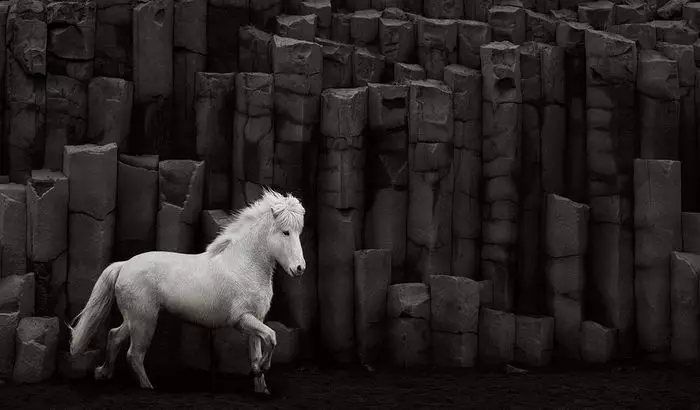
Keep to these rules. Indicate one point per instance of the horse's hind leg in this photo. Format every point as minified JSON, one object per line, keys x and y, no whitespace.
{"x":115,"y":339}
{"x":256,"y":364}
{"x":141,"y":329}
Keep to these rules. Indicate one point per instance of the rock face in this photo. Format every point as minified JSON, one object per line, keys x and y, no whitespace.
{"x":253,"y":138}
{"x":47,"y":239}
{"x":341,"y":207}
{"x":685,"y":307}
{"x":297,"y":70}
{"x":408,"y":333}
{"x":454,"y":320}
{"x":137,"y":205}
{"x":690,"y":225}
{"x":180,"y":188}
{"x":215,"y":100}
{"x":430,"y":180}
{"x":566,"y":244}
{"x":66,"y":117}
{"x":153,"y":77}
{"x":436,"y":45}
{"x":25,"y":86}
{"x":502,"y":100}
{"x":13,"y":229}
{"x":372,"y":278}
{"x":611,"y":72}
{"x":657,"y":220}
{"x":109,"y":117}
{"x":534,"y":340}
{"x":113,"y":39}
{"x":466,"y":204}
{"x":8,"y":331}
{"x":598,"y":343}
{"x":497,"y":336}
{"x":387,"y":161}
{"x":79,"y":367}
{"x":36,"y":345}
{"x":224,"y":19}
{"x":17,"y":294}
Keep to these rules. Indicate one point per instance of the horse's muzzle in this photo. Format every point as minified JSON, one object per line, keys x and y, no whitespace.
{"x":298,"y":271}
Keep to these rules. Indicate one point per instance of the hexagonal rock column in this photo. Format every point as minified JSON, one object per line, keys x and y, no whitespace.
{"x":408,"y":335}
{"x":571,"y":37}
{"x":340,"y":214}
{"x":439,"y":9}
{"x":13,"y":229}
{"x":690,"y":225}
{"x":534,"y":340}
{"x":153,"y":78}
{"x":109,"y":117}
{"x":466,"y":205}
{"x":598,"y":343}
{"x":502,"y":101}
{"x":611,"y":72}
{"x":364,"y":28}
{"x":367,"y":67}
{"x":37,"y":342}
{"x":387,"y":161}
{"x":8,"y":331}
{"x":254,"y":50}
{"x":253,"y":138}
{"x":4,"y":11}
{"x":92,"y":180}
{"x":25,"y":85}
{"x":471,"y":35}
{"x":454,"y":320}
{"x":436,"y":43}
{"x":372,"y":278}
{"x":189,"y":58}
{"x":323,"y":11}
{"x":599,"y":14}
{"x":214,"y":108}
{"x":298,"y":27}
{"x":337,"y":64}
{"x":396,"y":42}
{"x":689,"y":149}
{"x":224,"y":19}
{"x":685,"y":307}
{"x":47,"y":240}
{"x":566,"y":243}
{"x":66,"y":117}
{"x":497,"y":336}
{"x":659,"y":108}
{"x":404,"y":73}
{"x":113,"y":39}
{"x":542,"y":172}
{"x":508,"y":23}
{"x":17,"y":294}
{"x":137,"y":205}
{"x":297,"y":67}
{"x":657,"y":223}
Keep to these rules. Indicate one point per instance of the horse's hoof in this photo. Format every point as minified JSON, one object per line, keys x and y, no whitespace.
{"x":100,"y":373}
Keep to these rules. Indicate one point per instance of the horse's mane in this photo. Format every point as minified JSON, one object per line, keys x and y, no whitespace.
{"x":287,"y":208}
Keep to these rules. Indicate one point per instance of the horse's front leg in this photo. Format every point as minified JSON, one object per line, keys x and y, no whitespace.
{"x":266,"y":337}
{"x":256,"y":364}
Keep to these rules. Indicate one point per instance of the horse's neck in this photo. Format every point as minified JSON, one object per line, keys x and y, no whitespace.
{"x":253,"y":246}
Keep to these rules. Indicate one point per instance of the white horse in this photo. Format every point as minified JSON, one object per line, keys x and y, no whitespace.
{"x":230,"y":284}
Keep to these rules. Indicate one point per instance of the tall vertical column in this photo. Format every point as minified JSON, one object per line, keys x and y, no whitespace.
{"x":340,"y":212}
{"x":685,"y":304}
{"x":297,"y":67}
{"x":113,"y":39}
{"x":110,"y":101}
{"x":214,"y":108}
{"x":430,"y":180}
{"x":224,"y":19}
{"x":13,"y":229}
{"x":611,"y":71}
{"x":189,"y":58}
{"x":466,"y":206}
{"x":4,"y":11}
{"x":25,"y":87}
{"x":137,"y":205}
{"x":502,"y":100}
{"x":153,"y":77}
{"x":92,"y":179}
{"x":386,"y":191}
{"x":254,"y":50}
{"x":253,"y":138}
{"x":657,"y":223}
{"x":436,"y":43}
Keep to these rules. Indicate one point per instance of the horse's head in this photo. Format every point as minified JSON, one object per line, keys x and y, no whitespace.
{"x":285,"y":243}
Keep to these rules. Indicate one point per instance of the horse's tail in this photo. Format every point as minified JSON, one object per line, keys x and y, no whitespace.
{"x":96,"y":309}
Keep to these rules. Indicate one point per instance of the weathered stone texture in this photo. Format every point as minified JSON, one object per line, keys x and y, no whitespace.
{"x":430,"y":180}
{"x":8,"y":331}
{"x":690,"y":225}
{"x":254,"y":52}
{"x":13,"y":229}
{"x":47,"y":239}
{"x":341,"y":206}
{"x":322,"y":9}
{"x":508,"y":23}
{"x":66,"y":117}
{"x":599,"y":14}
{"x":17,"y":294}
{"x":25,"y":87}
{"x":598,"y":343}
{"x":454,"y":310}
{"x":566,"y":244}
{"x":404,"y":73}
{"x":92,"y":179}
{"x":337,"y":64}
{"x":36,"y":346}
{"x":657,"y":222}
{"x":297,"y":27}
{"x":214,"y":107}
{"x":372,"y":278}
{"x":436,"y":43}
{"x":180,"y":186}
{"x":367,"y":67}
{"x":71,"y":38}
{"x":501,"y":127}
{"x":534,"y":340}
{"x":113,"y":39}
{"x":643,"y":33}
{"x":153,"y":77}
{"x":611,"y":72}
{"x":387,"y":161}
{"x":137,"y":205}
{"x":685,"y":307}
{"x":410,"y":300}
{"x":109,"y":116}
{"x":497,"y":336}
{"x":471,"y":35}
{"x":253,"y":138}
{"x":224,"y":19}
{"x":396,"y":41}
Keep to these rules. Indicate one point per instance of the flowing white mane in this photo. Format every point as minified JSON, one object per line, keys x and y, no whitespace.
{"x":287,"y":208}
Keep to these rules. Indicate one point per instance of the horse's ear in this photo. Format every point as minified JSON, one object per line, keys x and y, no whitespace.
{"x":274,"y":214}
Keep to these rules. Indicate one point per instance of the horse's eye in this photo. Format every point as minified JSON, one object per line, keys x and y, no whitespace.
{"x":286,"y":233}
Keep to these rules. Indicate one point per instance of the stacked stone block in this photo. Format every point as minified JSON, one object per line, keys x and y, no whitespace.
{"x":408,"y":333}
{"x":454,"y":320}
{"x":372,"y":279}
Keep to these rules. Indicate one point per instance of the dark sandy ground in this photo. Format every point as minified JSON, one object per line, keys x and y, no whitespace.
{"x":623,"y":386}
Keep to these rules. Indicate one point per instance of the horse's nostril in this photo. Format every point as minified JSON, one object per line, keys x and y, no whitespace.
{"x":299,"y":269}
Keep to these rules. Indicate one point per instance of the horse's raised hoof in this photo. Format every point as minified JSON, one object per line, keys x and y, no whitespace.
{"x":261,"y":386}
{"x":101,"y":373}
